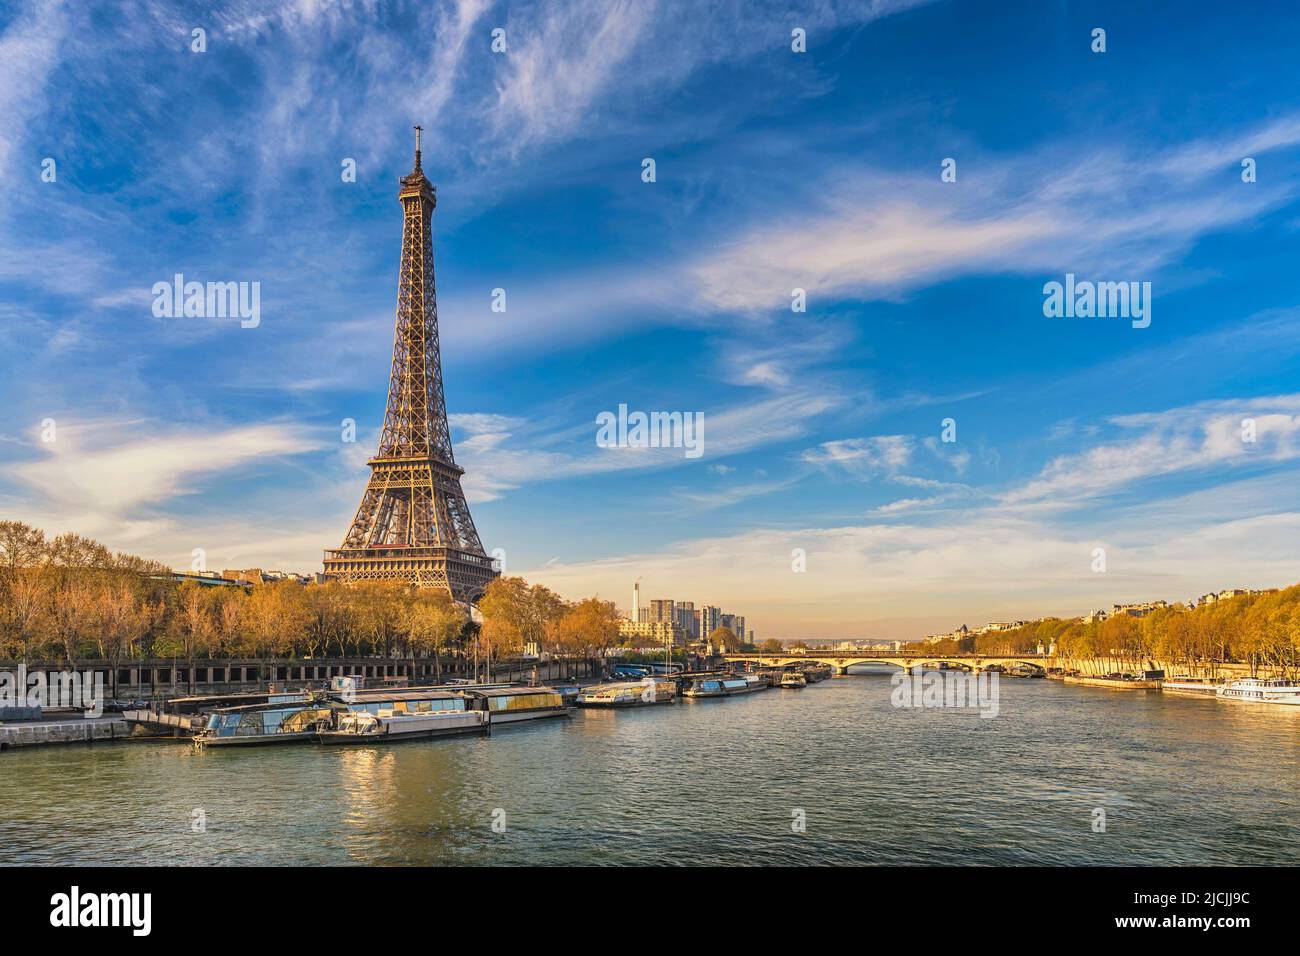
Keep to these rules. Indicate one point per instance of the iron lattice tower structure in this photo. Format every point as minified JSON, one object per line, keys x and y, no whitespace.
{"x":413,"y":525}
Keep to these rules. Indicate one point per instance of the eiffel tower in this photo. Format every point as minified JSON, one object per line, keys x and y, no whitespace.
{"x":413,"y":525}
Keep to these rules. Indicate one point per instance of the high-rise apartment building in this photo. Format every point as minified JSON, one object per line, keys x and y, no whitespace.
{"x":661,"y":612}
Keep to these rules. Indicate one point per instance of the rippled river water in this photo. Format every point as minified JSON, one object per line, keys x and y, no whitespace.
{"x":1182,"y":781}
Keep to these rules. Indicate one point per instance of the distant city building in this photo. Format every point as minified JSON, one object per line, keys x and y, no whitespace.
{"x":1224,"y":595}
{"x":661,"y":612}
{"x":956,"y":635}
{"x":259,"y":576}
{"x":710,"y":619}
{"x":684,"y":617}
{"x":654,"y":633}
{"x":862,"y":645}
{"x":635,"y":614}
{"x":1138,"y":610}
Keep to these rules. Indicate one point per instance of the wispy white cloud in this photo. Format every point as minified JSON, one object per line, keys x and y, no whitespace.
{"x":28,"y":55}
{"x":1191,"y":439}
{"x":502,"y":453}
{"x":103,"y":473}
{"x":880,"y":453}
{"x":868,"y":233}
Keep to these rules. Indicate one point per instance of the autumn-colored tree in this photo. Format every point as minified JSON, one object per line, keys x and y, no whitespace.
{"x":432,"y":621}
{"x":332,"y":618}
{"x":123,"y":615}
{"x":228,"y":611}
{"x":378,"y":606}
{"x":508,"y":618}
{"x":726,"y":639}
{"x":274,"y":619}
{"x":26,"y":596}
{"x":585,"y":630}
{"x":73,"y":615}
{"x":195,"y":622}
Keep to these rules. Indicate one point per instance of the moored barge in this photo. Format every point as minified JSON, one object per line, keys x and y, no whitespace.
{"x":629,"y":694}
{"x":507,"y":705}
{"x":388,"y":726}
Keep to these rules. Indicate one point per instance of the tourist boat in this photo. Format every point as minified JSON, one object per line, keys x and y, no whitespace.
{"x":705,"y":687}
{"x":1193,"y":686}
{"x":794,"y":680}
{"x":744,"y":684}
{"x":1251,"y":690}
{"x":507,"y":705}
{"x":302,"y":719}
{"x":629,"y":694}
{"x":361,"y":727}
{"x":254,"y":724}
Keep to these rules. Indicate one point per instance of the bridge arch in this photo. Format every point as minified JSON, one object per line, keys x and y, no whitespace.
{"x":842,"y":661}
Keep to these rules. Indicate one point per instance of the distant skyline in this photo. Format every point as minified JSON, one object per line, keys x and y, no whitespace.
{"x":823,"y":430}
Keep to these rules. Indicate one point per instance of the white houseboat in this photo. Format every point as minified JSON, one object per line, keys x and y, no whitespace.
{"x":389,"y":726}
{"x":1251,"y":690}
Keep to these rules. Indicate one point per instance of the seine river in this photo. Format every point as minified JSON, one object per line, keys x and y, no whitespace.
{"x":1181,"y":781}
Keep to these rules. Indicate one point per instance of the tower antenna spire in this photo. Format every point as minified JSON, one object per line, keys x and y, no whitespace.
{"x":418,"y":130}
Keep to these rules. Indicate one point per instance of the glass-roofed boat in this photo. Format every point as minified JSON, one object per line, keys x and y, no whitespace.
{"x":438,"y":714}
{"x":511,"y":704}
{"x":629,"y":693}
{"x":271,"y":723}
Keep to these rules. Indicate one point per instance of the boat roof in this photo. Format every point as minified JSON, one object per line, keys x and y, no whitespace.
{"x":255,"y":696}
{"x":511,"y":691}
{"x":621,"y":685}
{"x":373,"y":696}
{"x":278,"y":705}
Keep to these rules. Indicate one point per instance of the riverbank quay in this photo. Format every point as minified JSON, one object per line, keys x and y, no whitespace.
{"x":161,"y":679}
{"x":182,"y":716}
{"x":63,"y":730}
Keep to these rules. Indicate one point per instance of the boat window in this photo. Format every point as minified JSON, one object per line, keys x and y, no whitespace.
{"x":302,"y":720}
{"x":525,"y":701}
{"x":250,"y":724}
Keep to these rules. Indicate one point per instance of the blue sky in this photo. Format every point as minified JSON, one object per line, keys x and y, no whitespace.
{"x":774,"y":170}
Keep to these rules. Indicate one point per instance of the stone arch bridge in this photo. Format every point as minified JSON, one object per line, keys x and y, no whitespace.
{"x":843,"y":660}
